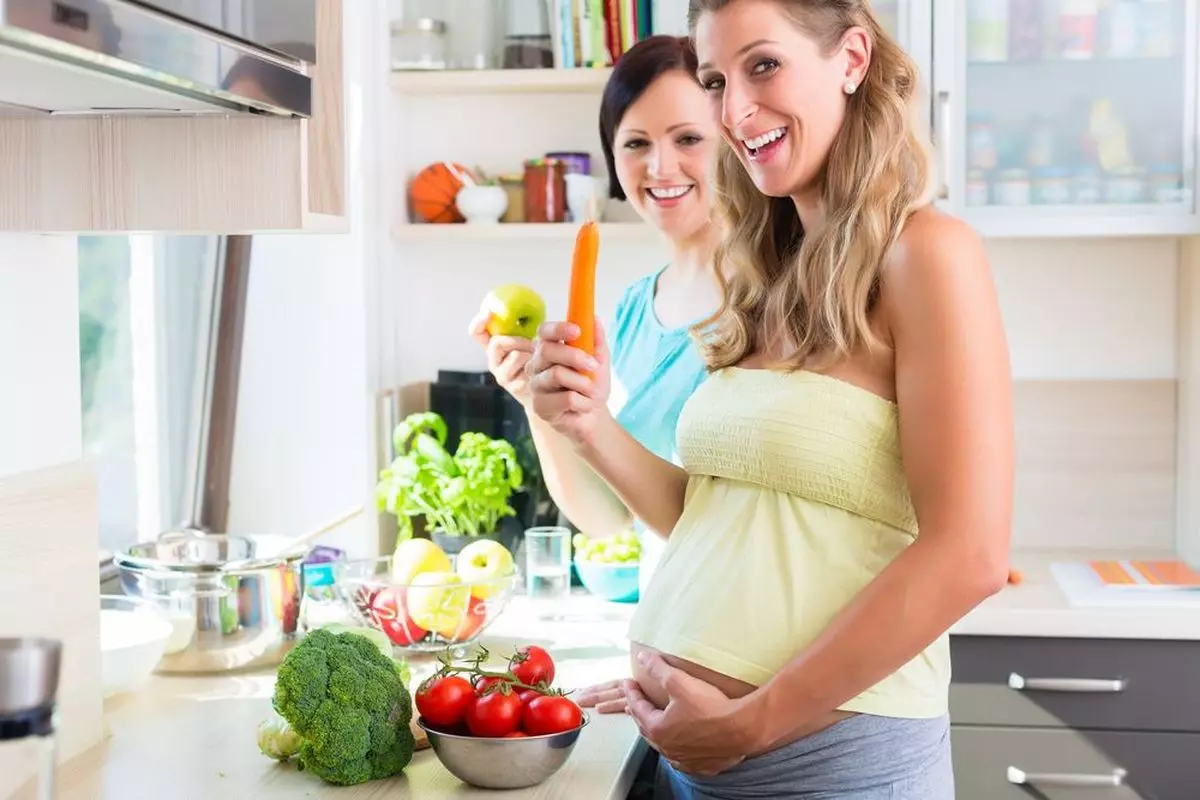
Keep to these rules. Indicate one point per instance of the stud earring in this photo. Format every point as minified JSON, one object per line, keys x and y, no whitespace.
{"x":849,"y":87}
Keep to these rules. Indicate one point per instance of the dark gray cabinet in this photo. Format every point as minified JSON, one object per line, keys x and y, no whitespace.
{"x":1114,"y":719}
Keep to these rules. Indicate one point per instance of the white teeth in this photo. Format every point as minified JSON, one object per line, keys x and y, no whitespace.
{"x":668,"y":192}
{"x":762,"y":140}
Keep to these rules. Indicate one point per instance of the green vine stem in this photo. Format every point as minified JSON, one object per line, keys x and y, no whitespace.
{"x":507,"y":681}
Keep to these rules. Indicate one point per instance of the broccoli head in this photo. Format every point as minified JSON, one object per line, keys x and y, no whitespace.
{"x":348,"y":702}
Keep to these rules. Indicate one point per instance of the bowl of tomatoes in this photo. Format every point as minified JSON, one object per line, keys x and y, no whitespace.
{"x":434,"y":612}
{"x":506,"y":728}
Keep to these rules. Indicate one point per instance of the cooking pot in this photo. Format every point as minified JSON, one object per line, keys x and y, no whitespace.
{"x":231,"y":609}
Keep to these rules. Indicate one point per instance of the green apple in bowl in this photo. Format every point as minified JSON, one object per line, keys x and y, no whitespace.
{"x":415,"y":556}
{"x":485,"y":563}
{"x":438,"y":601}
{"x":515,"y":311}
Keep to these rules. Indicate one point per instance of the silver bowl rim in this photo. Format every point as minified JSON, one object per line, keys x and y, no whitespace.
{"x":128,"y":560}
{"x":527,"y":738}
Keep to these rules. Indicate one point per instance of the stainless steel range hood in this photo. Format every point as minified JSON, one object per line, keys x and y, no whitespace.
{"x":96,"y":57}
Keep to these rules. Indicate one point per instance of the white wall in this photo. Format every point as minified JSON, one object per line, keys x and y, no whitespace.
{"x":302,"y":448}
{"x":40,"y":419}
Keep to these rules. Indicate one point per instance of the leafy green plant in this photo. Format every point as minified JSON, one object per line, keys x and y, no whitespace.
{"x":464,"y":494}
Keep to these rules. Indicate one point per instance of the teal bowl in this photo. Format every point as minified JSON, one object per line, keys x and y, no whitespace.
{"x":617,"y":583}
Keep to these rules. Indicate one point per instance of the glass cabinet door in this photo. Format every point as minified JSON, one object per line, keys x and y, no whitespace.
{"x":1070,"y":117}
{"x":911,"y":23}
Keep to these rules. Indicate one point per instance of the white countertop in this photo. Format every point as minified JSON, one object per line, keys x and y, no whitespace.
{"x":1038,"y":607}
{"x":194,"y":737}
{"x":198,"y":732}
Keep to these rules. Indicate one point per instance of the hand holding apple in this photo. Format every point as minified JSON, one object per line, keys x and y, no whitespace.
{"x":505,"y":325}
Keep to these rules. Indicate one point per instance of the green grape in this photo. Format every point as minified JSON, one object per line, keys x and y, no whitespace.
{"x":579,"y":541}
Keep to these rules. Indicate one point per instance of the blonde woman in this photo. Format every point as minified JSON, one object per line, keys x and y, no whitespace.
{"x":846,"y":487}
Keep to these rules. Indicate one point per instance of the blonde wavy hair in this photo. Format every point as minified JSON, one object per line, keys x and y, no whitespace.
{"x":816,"y":292}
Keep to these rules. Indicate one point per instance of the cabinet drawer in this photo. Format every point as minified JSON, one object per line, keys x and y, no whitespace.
{"x":1116,"y":684}
{"x":1074,"y":765}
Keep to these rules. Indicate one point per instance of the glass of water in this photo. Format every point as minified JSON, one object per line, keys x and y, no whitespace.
{"x":548,"y":562}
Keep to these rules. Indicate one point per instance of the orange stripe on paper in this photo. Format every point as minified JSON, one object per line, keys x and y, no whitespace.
{"x":1175,"y":573}
{"x":1146,"y":572}
{"x":1112,"y":572}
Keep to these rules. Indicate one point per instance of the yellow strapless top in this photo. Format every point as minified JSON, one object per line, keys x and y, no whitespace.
{"x":796,"y":500}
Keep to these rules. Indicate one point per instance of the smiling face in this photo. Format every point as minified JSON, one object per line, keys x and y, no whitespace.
{"x":663,"y":152}
{"x":779,"y":94}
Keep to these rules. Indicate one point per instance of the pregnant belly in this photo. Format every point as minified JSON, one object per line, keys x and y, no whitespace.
{"x":730,"y":687}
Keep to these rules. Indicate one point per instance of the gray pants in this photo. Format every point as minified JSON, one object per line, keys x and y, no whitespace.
{"x":862,"y":757}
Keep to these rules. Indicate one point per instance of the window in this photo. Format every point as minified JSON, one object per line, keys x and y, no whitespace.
{"x":146,"y":311}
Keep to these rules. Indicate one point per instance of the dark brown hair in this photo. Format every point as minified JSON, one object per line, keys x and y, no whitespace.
{"x":635,"y":71}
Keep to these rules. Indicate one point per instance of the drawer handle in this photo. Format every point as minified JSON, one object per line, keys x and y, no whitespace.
{"x":1019,"y":683}
{"x":1080,"y":780}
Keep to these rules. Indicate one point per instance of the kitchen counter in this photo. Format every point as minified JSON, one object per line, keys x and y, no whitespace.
{"x":1038,"y":607}
{"x":194,"y":737}
{"x":198,"y":733}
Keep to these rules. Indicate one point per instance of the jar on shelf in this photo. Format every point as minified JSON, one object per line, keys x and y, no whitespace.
{"x":977,"y":188}
{"x":418,"y":44}
{"x":1012,"y":188}
{"x":545,"y":190}
{"x":981,"y":142}
{"x":1051,"y":186}
{"x":1166,"y":184}
{"x":1125,"y":185}
{"x":514,"y":187}
{"x":527,"y":39}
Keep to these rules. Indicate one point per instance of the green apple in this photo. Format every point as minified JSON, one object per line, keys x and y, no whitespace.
{"x":438,"y":601}
{"x":484,"y":560}
{"x":415,"y":556}
{"x":515,"y":311}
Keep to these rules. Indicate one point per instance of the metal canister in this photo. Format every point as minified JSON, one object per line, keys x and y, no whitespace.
{"x":29,"y":675}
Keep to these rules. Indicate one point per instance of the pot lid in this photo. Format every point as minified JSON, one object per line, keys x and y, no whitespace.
{"x":197,"y":554}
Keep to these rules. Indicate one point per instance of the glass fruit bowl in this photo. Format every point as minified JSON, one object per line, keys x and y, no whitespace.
{"x":431,"y":613}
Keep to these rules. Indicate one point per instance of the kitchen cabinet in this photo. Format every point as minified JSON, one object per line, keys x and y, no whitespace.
{"x":209,"y":173}
{"x":1068,"y":118}
{"x":1062,"y":718}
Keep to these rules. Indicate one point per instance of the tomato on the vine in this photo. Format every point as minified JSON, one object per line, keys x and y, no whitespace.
{"x":485,"y":683}
{"x":528,"y":694}
{"x":494,"y":714}
{"x":532,"y":665}
{"x":551,"y":714}
{"x":444,"y":701}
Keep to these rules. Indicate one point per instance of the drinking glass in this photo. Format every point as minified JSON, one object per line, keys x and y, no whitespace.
{"x":548,"y":562}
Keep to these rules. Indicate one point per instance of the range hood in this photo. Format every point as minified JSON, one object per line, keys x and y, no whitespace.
{"x":101,"y":57}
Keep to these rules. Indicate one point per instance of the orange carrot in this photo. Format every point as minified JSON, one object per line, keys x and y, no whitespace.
{"x":581,"y":302}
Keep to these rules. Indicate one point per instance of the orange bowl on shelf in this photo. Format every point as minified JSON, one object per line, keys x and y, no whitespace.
{"x":427,"y":615}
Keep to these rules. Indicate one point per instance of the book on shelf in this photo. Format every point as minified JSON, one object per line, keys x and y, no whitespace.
{"x":595,"y":33}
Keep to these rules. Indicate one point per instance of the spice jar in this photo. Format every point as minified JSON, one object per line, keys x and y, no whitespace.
{"x":514,"y":187}
{"x":545,"y":190}
{"x":418,"y":44}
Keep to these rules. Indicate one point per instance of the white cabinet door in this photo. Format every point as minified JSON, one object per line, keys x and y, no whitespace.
{"x":1068,"y":117}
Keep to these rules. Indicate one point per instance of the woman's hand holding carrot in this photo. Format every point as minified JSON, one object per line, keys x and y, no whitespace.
{"x":569,"y":387}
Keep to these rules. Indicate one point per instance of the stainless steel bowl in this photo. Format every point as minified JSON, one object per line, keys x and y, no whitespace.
{"x":231,"y":609}
{"x":502,"y":763}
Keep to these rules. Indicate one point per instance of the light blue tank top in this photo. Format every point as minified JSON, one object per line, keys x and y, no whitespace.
{"x":657,"y":367}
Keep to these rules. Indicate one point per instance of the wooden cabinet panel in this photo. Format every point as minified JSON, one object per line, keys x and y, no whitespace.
{"x":200,"y":174}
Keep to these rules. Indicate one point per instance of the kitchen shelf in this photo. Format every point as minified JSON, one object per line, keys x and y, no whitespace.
{"x":504,"y":81}
{"x":516,"y":231}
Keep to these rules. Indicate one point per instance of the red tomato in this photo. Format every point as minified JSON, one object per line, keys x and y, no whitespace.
{"x":532,"y":665}
{"x":483,"y":684}
{"x":471,"y":623}
{"x":388,"y":609}
{"x":526,"y":695}
{"x":443,"y":703}
{"x":494,"y":715}
{"x":550,"y":714}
